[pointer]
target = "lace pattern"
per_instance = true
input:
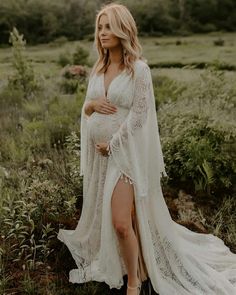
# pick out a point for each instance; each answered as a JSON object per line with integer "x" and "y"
{"x": 139, "y": 110}
{"x": 126, "y": 178}
{"x": 167, "y": 257}
{"x": 175, "y": 267}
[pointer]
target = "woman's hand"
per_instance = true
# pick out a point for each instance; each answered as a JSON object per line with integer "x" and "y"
{"x": 102, "y": 105}
{"x": 102, "y": 148}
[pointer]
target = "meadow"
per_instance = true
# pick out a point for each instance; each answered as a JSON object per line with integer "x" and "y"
{"x": 40, "y": 187}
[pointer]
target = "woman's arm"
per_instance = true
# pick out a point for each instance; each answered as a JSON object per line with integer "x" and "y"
{"x": 89, "y": 108}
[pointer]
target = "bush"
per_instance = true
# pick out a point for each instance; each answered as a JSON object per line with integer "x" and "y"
{"x": 33, "y": 203}
{"x": 166, "y": 89}
{"x": 24, "y": 79}
{"x": 69, "y": 86}
{"x": 219, "y": 42}
{"x": 59, "y": 41}
{"x": 222, "y": 221}
{"x": 80, "y": 56}
{"x": 65, "y": 58}
{"x": 56, "y": 122}
{"x": 199, "y": 133}
{"x": 73, "y": 78}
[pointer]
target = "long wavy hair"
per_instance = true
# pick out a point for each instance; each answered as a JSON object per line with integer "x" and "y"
{"x": 123, "y": 26}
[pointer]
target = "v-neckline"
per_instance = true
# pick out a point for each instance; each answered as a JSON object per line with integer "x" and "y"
{"x": 109, "y": 85}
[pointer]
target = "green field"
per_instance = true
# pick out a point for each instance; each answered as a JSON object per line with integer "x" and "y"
{"x": 40, "y": 186}
{"x": 193, "y": 49}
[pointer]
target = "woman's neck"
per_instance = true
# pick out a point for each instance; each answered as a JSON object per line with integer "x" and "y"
{"x": 116, "y": 55}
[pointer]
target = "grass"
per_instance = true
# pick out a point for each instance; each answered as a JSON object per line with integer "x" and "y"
{"x": 161, "y": 50}
{"x": 38, "y": 170}
{"x": 197, "y": 48}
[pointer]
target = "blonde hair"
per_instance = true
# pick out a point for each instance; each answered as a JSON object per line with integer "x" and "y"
{"x": 123, "y": 26}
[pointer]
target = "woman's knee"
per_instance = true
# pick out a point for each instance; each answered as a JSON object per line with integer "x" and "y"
{"x": 122, "y": 228}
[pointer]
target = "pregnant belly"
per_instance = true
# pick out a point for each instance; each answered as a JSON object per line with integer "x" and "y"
{"x": 101, "y": 127}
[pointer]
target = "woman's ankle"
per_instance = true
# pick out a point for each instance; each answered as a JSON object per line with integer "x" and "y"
{"x": 133, "y": 281}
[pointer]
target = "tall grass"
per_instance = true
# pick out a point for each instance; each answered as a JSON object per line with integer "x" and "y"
{"x": 40, "y": 186}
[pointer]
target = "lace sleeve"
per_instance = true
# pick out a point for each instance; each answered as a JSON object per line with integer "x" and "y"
{"x": 83, "y": 132}
{"x": 138, "y": 112}
{"x": 135, "y": 148}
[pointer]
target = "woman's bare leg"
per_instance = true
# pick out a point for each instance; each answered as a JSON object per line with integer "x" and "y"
{"x": 122, "y": 203}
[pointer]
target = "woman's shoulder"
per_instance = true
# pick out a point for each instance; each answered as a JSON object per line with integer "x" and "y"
{"x": 140, "y": 66}
{"x": 140, "y": 63}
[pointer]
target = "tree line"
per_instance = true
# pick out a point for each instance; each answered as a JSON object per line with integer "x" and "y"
{"x": 42, "y": 21}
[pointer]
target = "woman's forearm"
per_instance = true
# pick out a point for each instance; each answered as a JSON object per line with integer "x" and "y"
{"x": 89, "y": 108}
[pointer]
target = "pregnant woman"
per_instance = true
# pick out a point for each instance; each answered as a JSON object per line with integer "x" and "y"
{"x": 125, "y": 227}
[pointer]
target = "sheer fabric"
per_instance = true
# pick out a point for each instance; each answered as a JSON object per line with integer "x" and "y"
{"x": 136, "y": 147}
{"x": 178, "y": 261}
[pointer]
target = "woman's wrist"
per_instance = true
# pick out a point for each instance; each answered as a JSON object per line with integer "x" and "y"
{"x": 89, "y": 108}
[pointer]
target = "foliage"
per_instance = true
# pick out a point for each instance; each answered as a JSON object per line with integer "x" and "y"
{"x": 225, "y": 228}
{"x": 40, "y": 186}
{"x": 73, "y": 146}
{"x": 198, "y": 135}
{"x": 166, "y": 89}
{"x": 219, "y": 42}
{"x": 65, "y": 58}
{"x": 80, "y": 56}
{"x": 59, "y": 41}
{"x": 24, "y": 79}
{"x": 53, "y": 125}
{"x": 43, "y": 21}
{"x": 69, "y": 86}
{"x": 35, "y": 200}
{"x": 73, "y": 79}
{"x": 219, "y": 224}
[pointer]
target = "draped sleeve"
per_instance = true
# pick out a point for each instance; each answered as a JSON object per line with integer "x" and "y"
{"x": 84, "y": 131}
{"x": 136, "y": 147}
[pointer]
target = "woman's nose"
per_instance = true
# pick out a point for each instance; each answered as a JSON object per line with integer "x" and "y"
{"x": 103, "y": 32}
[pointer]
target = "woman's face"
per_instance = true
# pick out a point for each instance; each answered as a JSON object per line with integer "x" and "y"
{"x": 106, "y": 37}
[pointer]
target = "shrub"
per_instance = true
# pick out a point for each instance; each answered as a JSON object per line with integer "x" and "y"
{"x": 12, "y": 149}
{"x": 24, "y": 79}
{"x": 69, "y": 86}
{"x": 178, "y": 42}
{"x": 11, "y": 97}
{"x": 33, "y": 203}
{"x": 219, "y": 42}
{"x": 75, "y": 71}
{"x": 90, "y": 37}
{"x": 74, "y": 77}
{"x": 221, "y": 221}
{"x": 166, "y": 89}
{"x": 36, "y": 135}
{"x": 59, "y": 41}
{"x": 198, "y": 134}
{"x": 65, "y": 58}
{"x": 80, "y": 56}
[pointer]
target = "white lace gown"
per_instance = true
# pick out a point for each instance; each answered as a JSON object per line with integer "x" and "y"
{"x": 178, "y": 261}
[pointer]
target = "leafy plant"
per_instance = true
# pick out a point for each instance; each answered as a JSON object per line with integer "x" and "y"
{"x": 65, "y": 58}
{"x": 80, "y": 56}
{"x": 24, "y": 78}
{"x": 198, "y": 135}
